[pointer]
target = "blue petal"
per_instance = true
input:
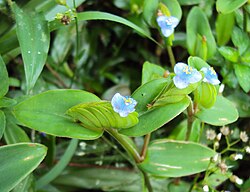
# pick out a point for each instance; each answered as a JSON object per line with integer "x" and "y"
{"x": 195, "y": 76}
{"x": 180, "y": 83}
{"x": 161, "y": 20}
{"x": 118, "y": 102}
{"x": 179, "y": 67}
{"x": 123, "y": 113}
{"x": 210, "y": 76}
{"x": 175, "y": 21}
{"x": 167, "y": 31}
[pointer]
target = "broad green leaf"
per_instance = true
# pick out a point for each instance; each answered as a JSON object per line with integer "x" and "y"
{"x": 45, "y": 112}
{"x": 18, "y": 161}
{"x": 197, "y": 62}
{"x": 97, "y": 178}
{"x": 2, "y": 123}
{"x": 228, "y": 6}
{"x": 151, "y": 120}
{"x": 100, "y": 115}
{"x": 222, "y": 113}
{"x": 240, "y": 39}
{"x": 229, "y": 53}
{"x": 174, "y": 8}
{"x": 189, "y": 2}
{"x": 4, "y": 79}
{"x": 33, "y": 36}
{"x": 200, "y": 40}
{"x": 97, "y": 15}
{"x": 7, "y": 102}
{"x": 150, "y": 11}
{"x": 13, "y": 133}
{"x": 224, "y": 26}
{"x": 245, "y": 187}
{"x": 242, "y": 102}
{"x": 166, "y": 158}
{"x": 27, "y": 184}
{"x": 151, "y": 71}
{"x": 242, "y": 73}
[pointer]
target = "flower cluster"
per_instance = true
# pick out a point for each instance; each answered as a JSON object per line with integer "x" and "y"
{"x": 167, "y": 24}
{"x": 123, "y": 105}
{"x": 186, "y": 74}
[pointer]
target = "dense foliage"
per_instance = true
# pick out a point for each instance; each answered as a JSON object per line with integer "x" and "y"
{"x": 139, "y": 95}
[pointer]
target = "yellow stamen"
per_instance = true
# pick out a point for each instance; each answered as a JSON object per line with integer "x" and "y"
{"x": 188, "y": 70}
{"x": 212, "y": 70}
{"x": 127, "y": 101}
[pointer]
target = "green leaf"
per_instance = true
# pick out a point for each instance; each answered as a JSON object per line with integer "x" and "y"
{"x": 13, "y": 133}
{"x": 7, "y": 102}
{"x": 229, "y": 53}
{"x": 97, "y": 178}
{"x": 217, "y": 178}
{"x": 151, "y": 71}
{"x": 19, "y": 161}
{"x": 222, "y": 113}
{"x": 242, "y": 102}
{"x": 197, "y": 62}
{"x": 200, "y": 40}
{"x": 25, "y": 185}
{"x": 242, "y": 73}
{"x": 100, "y": 115}
{"x": 2, "y": 123}
{"x": 166, "y": 158}
{"x": 150, "y": 11}
{"x": 97, "y": 15}
{"x": 33, "y": 36}
{"x": 45, "y": 112}
{"x": 4, "y": 79}
{"x": 174, "y": 8}
{"x": 224, "y": 27}
{"x": 189, "y": 2}
{"x": 151, "y": 120}
{"x": 240, "y": 40}
{"x": 228, "y": 6}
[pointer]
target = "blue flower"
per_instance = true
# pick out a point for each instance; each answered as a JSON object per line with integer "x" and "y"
{"x": 123, "y": 105}
{"x": 210, "y": 75}
{"x": 167, "y": 24}
{"x": 185, "y": 75}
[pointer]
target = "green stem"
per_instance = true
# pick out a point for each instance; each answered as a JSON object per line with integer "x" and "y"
{"x": 145, "y": 145}
{"x": 189, "y": 121}
{"x": 115, "y": 147}
{"x": 147, "y": 181}
{"x": 127, "y": 146}
{"x": 171, "y": 56}
{"x": 77, "y": 46}
{"x": 201, "y": 130}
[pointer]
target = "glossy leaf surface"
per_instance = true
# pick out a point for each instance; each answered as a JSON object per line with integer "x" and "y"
{"x": 242, "y": 73}
{"x": 166, "y": 158}
{"x": 2, "y": 123}
{"x": 45, "y": 112}
{"x": 19, "y": 160}
{"x": 4, "y": 79}
{"x": 33, "y": 36}
{"x": 151, "y": 71}
{"x": 228, "y": 6}
{"x": 222, "y": 113}
{"x": 199, "y": 34}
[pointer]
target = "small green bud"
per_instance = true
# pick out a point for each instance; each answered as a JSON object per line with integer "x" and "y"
{"x": 61, "y": 2}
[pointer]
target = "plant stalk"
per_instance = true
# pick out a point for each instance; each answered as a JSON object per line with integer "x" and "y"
{"x": 190, "y": 120}
{"x": 171, "y": 56}
{"x": 145, "y": 146}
